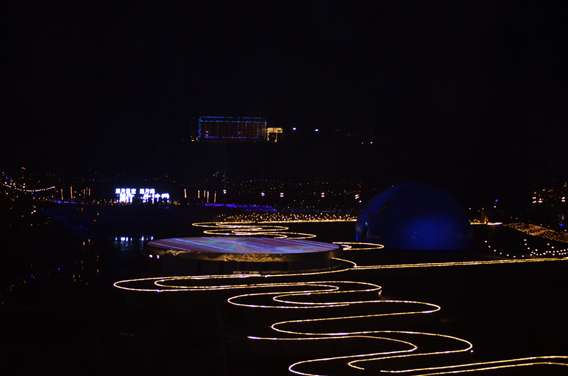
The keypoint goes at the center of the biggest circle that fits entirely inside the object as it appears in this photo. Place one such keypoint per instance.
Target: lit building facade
(221, 128)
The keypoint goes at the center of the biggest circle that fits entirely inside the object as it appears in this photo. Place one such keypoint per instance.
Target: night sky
(472, 90)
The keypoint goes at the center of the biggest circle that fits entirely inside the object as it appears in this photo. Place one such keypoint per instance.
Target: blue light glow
(414, 217)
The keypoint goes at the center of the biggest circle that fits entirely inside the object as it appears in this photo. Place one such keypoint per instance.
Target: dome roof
(414, 216)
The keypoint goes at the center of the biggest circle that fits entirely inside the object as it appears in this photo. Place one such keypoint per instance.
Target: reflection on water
(54, 265)
(129, 244)
(66, 269)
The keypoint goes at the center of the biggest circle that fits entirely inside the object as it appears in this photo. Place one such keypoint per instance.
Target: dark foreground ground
(60, 314)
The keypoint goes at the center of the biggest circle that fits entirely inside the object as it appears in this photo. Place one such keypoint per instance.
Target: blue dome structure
(414, 216)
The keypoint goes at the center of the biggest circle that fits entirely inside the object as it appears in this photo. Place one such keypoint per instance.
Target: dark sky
(483, 81)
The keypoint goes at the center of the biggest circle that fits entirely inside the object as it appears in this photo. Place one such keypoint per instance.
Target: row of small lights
(550, 252)
(126, 239)
(540, 231)
(293, 217)
(537, 231)
(206, 193)
(23, 188)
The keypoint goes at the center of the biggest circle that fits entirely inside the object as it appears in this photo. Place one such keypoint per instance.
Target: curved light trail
(390, 351)
(251, 229)
(329, 295)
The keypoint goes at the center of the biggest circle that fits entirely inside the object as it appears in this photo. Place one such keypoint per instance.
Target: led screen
(144, 195)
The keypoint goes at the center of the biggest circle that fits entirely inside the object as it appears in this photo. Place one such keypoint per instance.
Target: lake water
(61, 314)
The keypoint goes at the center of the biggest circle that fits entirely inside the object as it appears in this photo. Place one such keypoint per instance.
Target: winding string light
(331, 295)
(359, 246)
(29, 190)
(272, 293)
(557, 360)
(251, 229)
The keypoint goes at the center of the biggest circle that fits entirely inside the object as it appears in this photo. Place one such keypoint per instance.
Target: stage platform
(239, 253)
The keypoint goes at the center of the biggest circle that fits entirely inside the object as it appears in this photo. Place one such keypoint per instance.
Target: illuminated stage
(258, 253)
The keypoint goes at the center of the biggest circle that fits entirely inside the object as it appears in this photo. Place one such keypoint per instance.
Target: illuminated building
(272, 134)
(555, 194)
(222, 128)
(414, 217)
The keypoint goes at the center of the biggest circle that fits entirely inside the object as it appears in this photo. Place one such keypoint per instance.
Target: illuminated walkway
(351, 311)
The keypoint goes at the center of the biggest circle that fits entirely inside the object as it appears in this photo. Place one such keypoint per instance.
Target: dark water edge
(62, 315)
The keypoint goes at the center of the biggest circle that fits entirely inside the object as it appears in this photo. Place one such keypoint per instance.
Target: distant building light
(272, 133)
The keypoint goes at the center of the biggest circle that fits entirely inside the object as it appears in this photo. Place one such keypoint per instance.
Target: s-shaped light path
(392, 350)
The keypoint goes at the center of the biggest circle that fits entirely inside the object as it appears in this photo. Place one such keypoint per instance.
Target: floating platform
(239, 253)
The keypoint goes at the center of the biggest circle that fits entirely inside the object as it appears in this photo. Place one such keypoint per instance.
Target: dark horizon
(465, 95)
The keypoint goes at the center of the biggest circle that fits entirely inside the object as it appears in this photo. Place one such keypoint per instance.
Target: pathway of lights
(330, 295)
(550, 251)
(271, 292)
(291, 217)
(543, 232)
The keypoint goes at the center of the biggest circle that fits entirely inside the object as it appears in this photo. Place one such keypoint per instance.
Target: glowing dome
(414, 216)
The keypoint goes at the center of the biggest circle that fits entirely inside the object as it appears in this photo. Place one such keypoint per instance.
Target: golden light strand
(330, 295)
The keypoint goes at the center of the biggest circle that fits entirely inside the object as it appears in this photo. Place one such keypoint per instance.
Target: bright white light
(146, 195)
